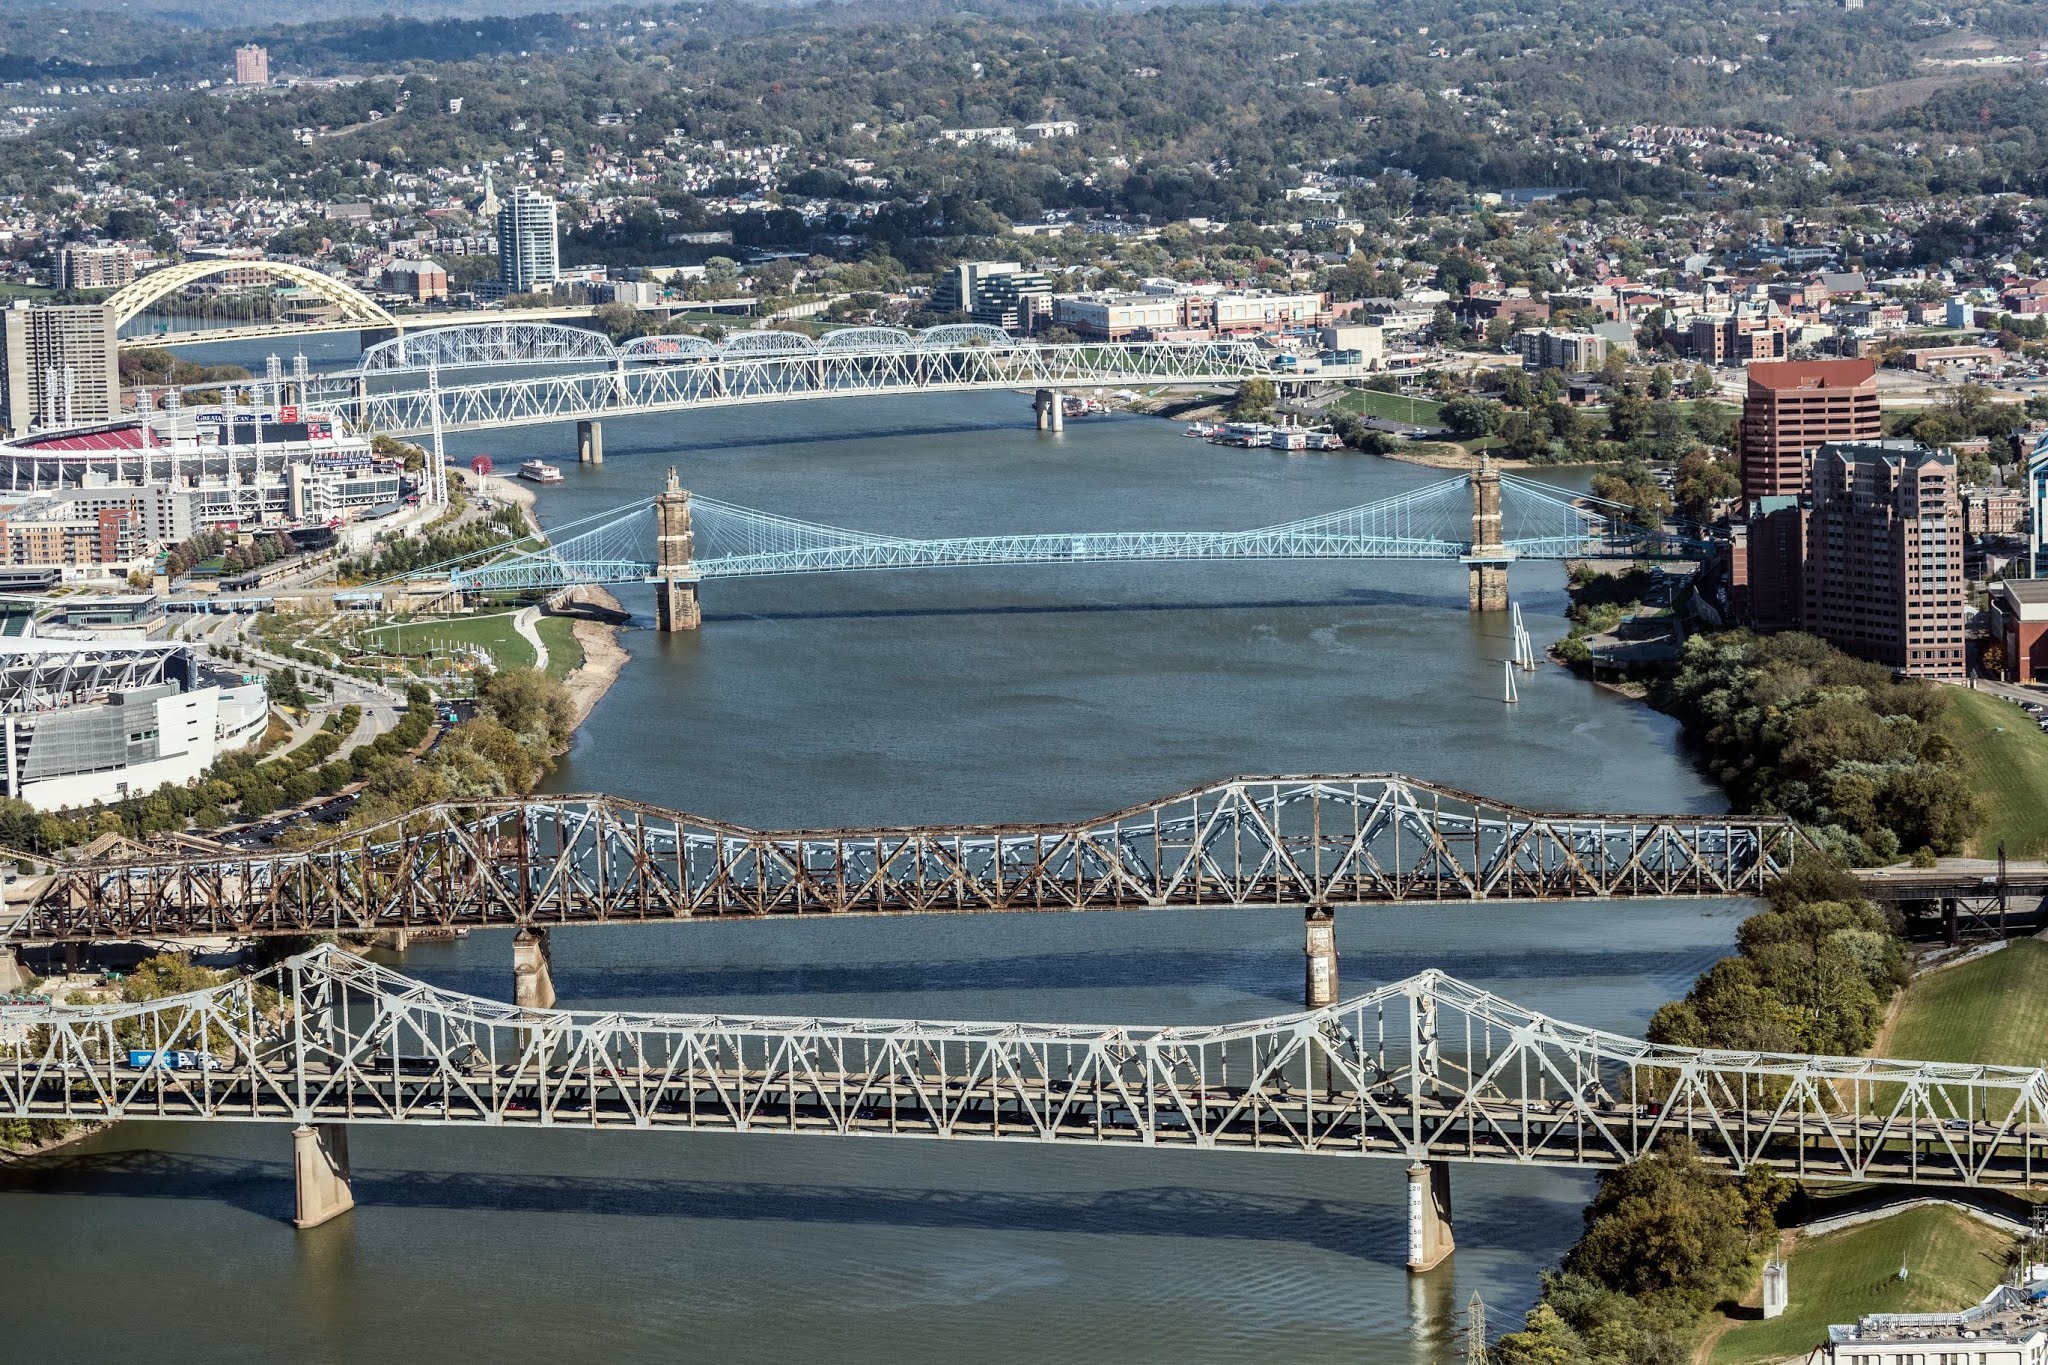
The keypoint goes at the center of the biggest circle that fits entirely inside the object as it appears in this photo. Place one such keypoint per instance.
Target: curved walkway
(523, 622)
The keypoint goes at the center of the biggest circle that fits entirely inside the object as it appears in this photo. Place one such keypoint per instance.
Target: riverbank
(603, 656)
(12, 1156)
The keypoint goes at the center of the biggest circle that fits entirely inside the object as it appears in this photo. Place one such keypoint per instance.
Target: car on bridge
(173, 1059)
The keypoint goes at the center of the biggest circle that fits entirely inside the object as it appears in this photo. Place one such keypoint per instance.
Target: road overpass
(1428, 1071)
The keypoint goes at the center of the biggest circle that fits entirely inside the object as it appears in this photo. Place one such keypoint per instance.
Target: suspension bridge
(676, 540)
(1427, 1071)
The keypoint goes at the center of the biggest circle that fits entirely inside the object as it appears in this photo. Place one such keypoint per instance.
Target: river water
(1015, 694)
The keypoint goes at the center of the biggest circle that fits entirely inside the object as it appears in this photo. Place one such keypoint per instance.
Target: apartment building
(93, 267)
(1550, 348)
(252, 65)
(528, 243)
(1793, 408)
(1884, 556)
(58, 367)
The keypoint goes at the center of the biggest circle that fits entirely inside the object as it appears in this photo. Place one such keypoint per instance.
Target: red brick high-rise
(1793, 408)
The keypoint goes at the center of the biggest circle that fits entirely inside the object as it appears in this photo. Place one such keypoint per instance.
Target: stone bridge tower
(1489, 558)
(675, 566)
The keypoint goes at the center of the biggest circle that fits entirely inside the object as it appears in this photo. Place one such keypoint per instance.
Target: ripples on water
(996, 695)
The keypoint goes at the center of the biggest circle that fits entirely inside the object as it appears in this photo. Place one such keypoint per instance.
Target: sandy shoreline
(603, 656)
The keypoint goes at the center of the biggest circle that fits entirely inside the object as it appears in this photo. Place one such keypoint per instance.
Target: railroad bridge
(536, 864)
(1428, 1071)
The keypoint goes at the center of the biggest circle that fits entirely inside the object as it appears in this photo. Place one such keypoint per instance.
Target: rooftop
(1783, 375)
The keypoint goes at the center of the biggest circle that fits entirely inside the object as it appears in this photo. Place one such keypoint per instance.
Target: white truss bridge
(588, 378)
(1428, 1069)
(1435, 522)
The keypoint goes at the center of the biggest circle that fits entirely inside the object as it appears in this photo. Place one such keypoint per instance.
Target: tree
(1628, 415)
(1661, 383)
(1472, 417)
(532, 705)
(1255, 400)
(1635, 486)
(1701, 483)
(1664, 1224)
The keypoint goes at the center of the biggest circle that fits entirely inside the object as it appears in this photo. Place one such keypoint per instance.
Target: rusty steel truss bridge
(1427, 1071)
(534, 863)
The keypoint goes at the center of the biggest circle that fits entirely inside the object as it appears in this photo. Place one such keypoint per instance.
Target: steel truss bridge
(1435, 522)
(1426, 1070)
(673, 374)
(539, 862)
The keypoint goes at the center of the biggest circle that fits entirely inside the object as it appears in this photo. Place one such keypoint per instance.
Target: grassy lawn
(1992, 1010)
(2005, 758)
(558, 633)
(492, 633)
(1951, 1261)
(1392, 406)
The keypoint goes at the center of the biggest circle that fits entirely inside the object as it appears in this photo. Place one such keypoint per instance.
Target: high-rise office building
(1795, 407)
(252, 65)
(1884, 556)
(58, 367)
(527, 252)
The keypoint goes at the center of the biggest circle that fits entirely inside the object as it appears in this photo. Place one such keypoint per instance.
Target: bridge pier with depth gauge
(675, 560)
(1429, 1215)
(589, 442)
(533, 970)
(1320, 947)
(320, 1173)
(1489, 557)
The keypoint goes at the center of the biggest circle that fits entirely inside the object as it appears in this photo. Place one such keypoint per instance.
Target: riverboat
(540, 471)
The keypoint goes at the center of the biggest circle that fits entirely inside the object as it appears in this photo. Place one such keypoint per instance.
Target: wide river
(1014, 694)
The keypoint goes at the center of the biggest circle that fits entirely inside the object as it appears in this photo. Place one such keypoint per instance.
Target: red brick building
(1795, 407)
(2019, 612)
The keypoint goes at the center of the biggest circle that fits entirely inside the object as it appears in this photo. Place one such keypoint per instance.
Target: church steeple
(489, 207)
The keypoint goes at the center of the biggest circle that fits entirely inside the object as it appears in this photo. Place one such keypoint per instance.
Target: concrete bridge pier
(320, 1172)
(1050, 410)
(589, 442)
(1429, 1215)
(1320, 947)
(533, 970)
(675, 560)
(13, 976)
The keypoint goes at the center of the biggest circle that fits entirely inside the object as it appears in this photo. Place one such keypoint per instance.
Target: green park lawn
(1392, 406)
(492, 633)
(1994, 1010)
(1951, 1260)
(558, 633)
(2005, 758)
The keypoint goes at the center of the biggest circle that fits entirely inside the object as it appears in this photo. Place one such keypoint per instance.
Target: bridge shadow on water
(1261, 973)
(1375, 1232)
